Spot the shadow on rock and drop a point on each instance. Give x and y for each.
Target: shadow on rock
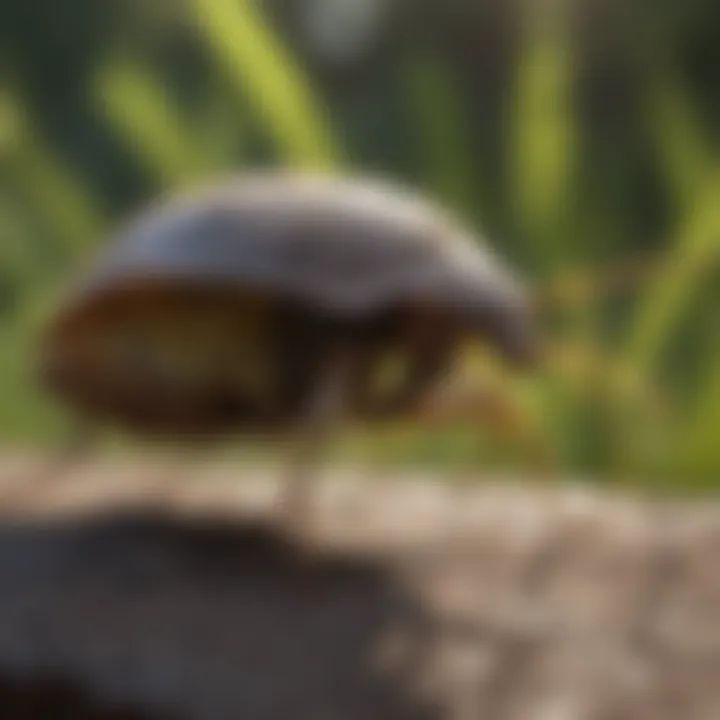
(199, 619)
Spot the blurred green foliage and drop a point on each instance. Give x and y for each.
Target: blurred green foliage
(581, 137)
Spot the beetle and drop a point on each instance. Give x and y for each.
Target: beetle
(279, 302)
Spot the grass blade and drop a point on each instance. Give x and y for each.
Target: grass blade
(673, 289)
(543, 151)
(140, 108)
(443, 133)
(62, 200)
(256, 61)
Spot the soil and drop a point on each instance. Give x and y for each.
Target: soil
(146, 589)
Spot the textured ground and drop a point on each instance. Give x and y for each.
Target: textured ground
(138, 591)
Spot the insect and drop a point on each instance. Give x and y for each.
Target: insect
(283, 303)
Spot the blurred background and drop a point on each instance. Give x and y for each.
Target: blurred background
(579, 136)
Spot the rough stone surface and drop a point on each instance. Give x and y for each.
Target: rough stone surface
(157, 591)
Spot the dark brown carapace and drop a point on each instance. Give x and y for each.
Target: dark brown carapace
(164, 359)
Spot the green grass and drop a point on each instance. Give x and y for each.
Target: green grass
(608, 404)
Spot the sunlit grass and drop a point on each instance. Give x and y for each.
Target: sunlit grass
(246, 48)
(691, 262)
(542, 136)
(600, 406)
(150, 125)
(698, 455)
